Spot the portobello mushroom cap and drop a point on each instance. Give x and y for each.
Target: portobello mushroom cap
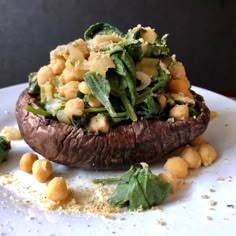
(142, 141)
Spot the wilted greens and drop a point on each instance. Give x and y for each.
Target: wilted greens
(109, 62)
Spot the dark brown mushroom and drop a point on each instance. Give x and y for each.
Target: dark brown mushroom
(142, 141)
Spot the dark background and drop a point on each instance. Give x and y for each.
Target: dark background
(202, 33)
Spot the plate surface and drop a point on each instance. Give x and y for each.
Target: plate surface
(205, 205)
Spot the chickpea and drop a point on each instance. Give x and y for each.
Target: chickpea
(177, 85)
(74, 107)
(69, 90)
(99, 123)
(162, 100)
(168, 177)
(94, 102)
(68, 75)
(58, 65)
(149, 35)
(82, 45)
(198, 140)
(191, 156)
(45, 74)
(177, 71)
(42, 170)
(83, 88)
(56, 189)
(179, 112)
(208, 154)
(27, 160)
(177, 167)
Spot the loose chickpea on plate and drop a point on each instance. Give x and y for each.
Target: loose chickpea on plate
(56, 189)
(177, 167)
(208, 154)
(191, 156)
(42, 170)
(27, 160)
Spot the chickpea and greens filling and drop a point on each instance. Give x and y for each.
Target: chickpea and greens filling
(111, 78)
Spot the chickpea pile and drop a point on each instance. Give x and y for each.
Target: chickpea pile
(192, 157)
(56, 189)
(63, 77)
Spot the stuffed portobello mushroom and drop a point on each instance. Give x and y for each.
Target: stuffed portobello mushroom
(110, 100)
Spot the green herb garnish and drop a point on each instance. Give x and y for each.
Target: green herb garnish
(5, 147)
(137, 188)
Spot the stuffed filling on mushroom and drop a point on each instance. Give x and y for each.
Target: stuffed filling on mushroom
(110, 80)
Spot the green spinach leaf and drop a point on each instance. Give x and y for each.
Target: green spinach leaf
(158, 48)
(193, 111)
(78, 121)
(137, 188)
(34, 88)
(160, 81)
(100, 28)
(129, 108)
(118, 86)
(135, 50)
(5, 147)
(121, 69)
(134, 46)
(37, 111)
(151, 109)
(100, 88)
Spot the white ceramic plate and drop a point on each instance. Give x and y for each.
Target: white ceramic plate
(185, 213)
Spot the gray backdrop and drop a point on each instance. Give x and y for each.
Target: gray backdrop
(202, 33)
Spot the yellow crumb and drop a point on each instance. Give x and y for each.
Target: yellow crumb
(209, 218)
(213, 115)
(213, 203)
(205, 196)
